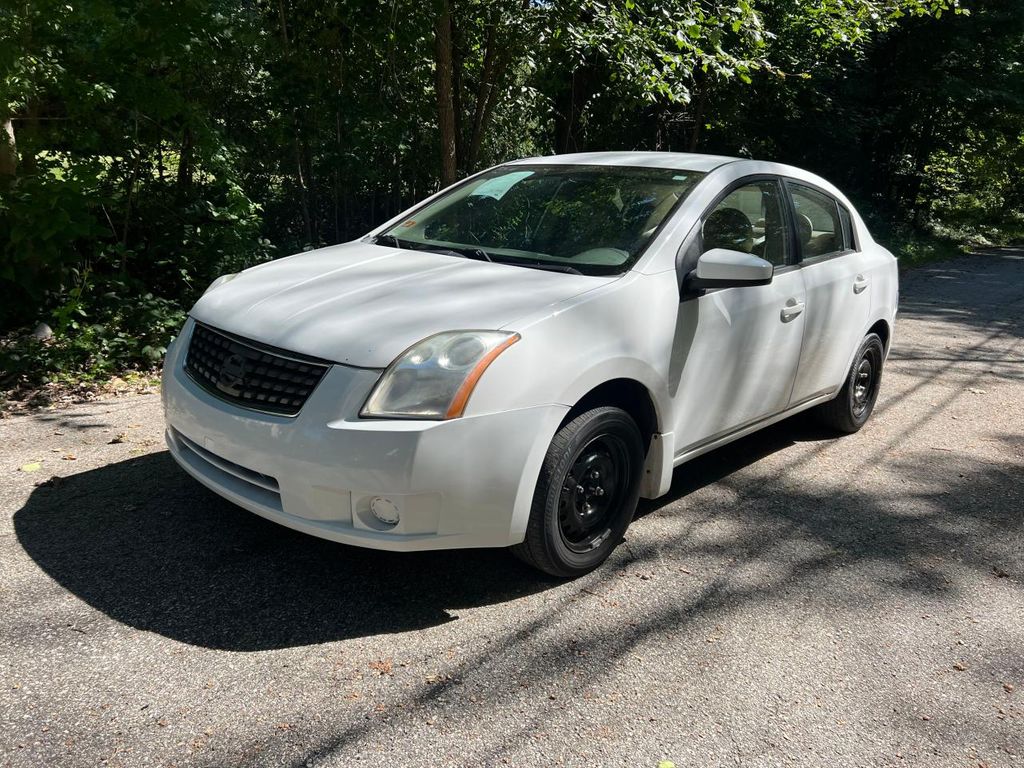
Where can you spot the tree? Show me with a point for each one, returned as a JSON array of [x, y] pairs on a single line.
[[146, 147]]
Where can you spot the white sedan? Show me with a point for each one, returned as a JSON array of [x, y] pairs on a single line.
[[518, 359]]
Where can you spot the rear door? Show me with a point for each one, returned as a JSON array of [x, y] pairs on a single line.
[[838, 290]]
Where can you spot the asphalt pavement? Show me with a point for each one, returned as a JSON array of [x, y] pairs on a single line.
[[796, 600]]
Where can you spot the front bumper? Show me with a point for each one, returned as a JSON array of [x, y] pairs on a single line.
[[467, 482]]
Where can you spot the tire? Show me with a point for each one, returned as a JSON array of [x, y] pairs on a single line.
[[852, 407], [586, 494]]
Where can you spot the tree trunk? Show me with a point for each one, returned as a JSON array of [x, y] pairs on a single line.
[[497, 60], [299, 145], [335, 181], [490, 76], [569, 106], [920, 208], [185, 161], [443, 86], [458, 68], [698, 116], [300, 177], [8, 148]]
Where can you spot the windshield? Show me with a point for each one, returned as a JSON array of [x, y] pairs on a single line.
[[576, 218]]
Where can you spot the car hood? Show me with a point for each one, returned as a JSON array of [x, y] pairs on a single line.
[[362, 304]]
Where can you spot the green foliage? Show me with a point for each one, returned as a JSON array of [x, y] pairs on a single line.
[[157, 145], [44, 221], [912, 248], [103, 328]]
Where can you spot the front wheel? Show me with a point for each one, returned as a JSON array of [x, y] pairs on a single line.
[[850, 409], [586, 495]]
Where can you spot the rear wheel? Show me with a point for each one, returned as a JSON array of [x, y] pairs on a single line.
[[850, 409], [586, 495]]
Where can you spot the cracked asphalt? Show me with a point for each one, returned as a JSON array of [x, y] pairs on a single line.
[[795, 600]]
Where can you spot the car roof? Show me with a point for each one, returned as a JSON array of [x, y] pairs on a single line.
[[674, 160]]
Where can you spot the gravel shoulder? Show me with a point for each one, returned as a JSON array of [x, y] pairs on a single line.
[[795, 600]]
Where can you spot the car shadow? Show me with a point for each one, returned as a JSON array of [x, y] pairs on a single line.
[[145, 544], [722, 462]]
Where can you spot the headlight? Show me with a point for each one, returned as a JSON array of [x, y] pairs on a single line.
[[434, 378], [220, 281]]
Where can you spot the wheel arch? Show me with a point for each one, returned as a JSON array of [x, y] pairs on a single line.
[[638, 400], [628, 394], [881, 327]]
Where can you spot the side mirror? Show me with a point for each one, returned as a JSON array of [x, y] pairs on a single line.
[[724, 268]]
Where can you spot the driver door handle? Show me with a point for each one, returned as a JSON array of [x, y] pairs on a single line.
[[859, 283], [791, 310]]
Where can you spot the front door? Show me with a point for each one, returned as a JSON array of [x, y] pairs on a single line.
[[736, 350]]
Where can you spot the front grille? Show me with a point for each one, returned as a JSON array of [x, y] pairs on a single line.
[[250, 374]]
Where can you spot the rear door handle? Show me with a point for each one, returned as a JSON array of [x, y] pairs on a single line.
[[859, 283], [791, 310]]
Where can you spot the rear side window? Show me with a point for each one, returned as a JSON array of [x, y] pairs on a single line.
[[819, 230], [849, 240]]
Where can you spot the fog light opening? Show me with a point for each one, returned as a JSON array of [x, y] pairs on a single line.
[[385, 510]]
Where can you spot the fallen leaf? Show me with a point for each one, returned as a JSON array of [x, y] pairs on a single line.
[[70, 457], [32, 466], [119, 438], [382, 667], [960, 666], [1008, 687]]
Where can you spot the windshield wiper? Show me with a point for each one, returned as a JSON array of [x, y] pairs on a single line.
[[549, 266], [471, 252], [480, 253], [448, 250], [468, 251]]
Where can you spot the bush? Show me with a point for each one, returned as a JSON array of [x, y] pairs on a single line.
[[105, 327]]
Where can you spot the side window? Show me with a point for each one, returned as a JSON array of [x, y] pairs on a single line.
[[749, 219], [818, 228], [849, 241]]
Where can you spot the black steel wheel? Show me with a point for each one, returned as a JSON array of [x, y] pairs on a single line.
[[586, 494], [851, 408], [592, 492]]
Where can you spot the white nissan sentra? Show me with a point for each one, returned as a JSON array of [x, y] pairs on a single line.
[[518, 359]]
